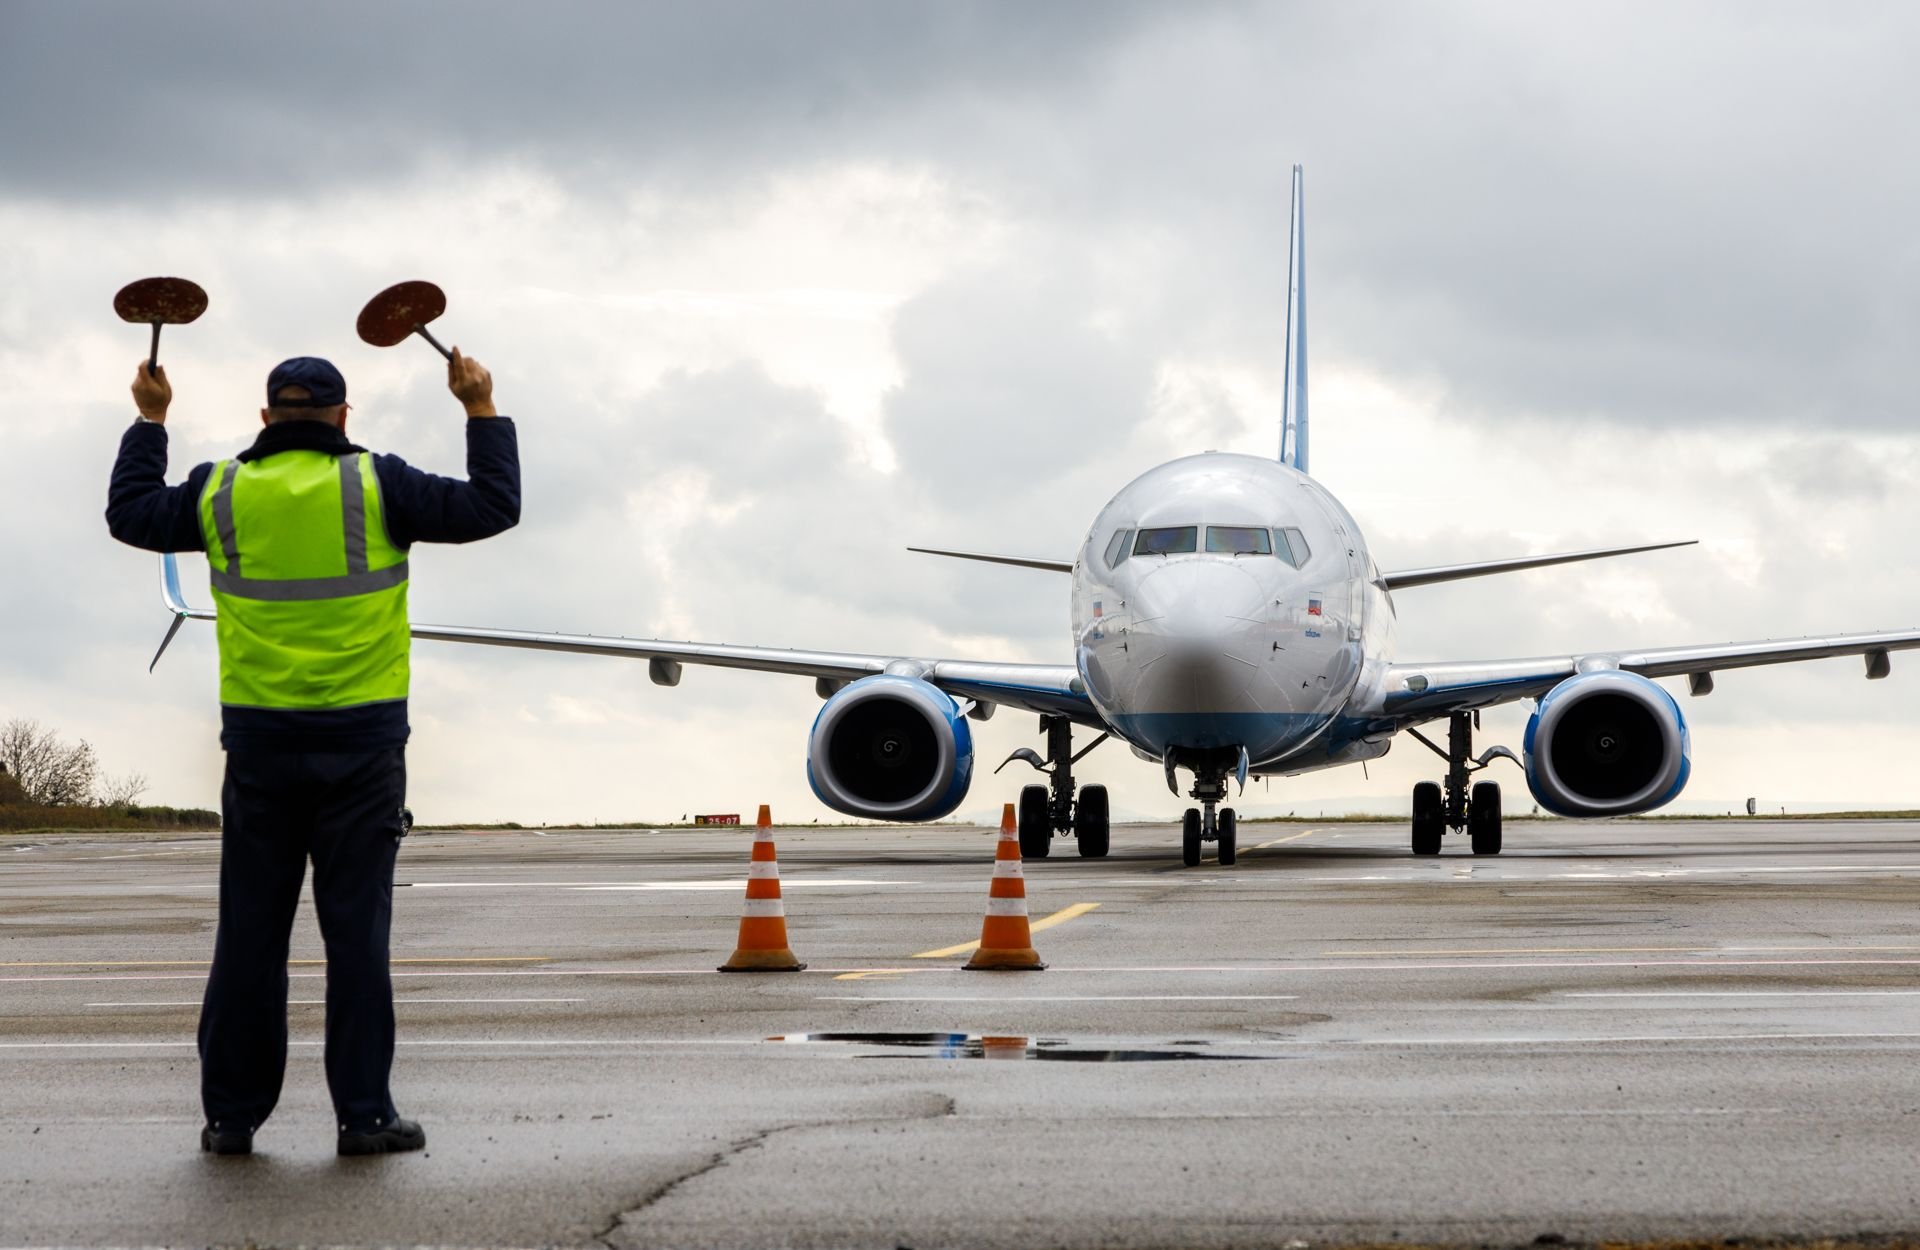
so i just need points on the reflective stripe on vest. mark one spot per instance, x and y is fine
(310, 591)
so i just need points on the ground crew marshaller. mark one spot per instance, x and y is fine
(308, 537)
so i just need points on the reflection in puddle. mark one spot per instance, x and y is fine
(994, 1046)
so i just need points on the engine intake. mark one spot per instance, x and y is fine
(891, 748)
(1607, 743)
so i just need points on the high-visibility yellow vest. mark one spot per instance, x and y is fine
(311, 593)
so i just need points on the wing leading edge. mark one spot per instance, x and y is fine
(1487, 568)
(1410, 693)
(1047, 689)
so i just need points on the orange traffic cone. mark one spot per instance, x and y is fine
(763, 927)
(1003, 1047)
(1006, 941)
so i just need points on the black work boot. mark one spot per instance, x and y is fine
(392, 1137)
(226, 1139)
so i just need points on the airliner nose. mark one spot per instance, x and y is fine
(1197, 599)
(1195, 650)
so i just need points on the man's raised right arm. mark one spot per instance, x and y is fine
(142, 510)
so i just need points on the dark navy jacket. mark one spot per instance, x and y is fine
(419, 507)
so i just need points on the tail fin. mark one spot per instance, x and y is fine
(1293, 421)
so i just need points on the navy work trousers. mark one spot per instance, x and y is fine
(343, 810)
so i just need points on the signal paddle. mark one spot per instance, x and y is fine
(160, 302)
(400, 310)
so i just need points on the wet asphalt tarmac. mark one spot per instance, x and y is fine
(1612, 1031)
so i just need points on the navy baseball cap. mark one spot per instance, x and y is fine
(324, 385)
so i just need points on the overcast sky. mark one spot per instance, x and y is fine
(776, 289)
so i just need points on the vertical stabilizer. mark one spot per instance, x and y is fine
(1293, 421)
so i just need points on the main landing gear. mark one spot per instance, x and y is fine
(1053, 808)
(1475, 809)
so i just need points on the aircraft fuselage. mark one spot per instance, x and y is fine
(1240, 609)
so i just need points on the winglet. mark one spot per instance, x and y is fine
(176, 603)
(170, 593)
(1293, 420)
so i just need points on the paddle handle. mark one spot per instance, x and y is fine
(423, 332)
(153, 352)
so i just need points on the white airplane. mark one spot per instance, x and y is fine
(1229, 621)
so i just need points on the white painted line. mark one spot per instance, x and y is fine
(559, 1043)
(728, 883)
(1604, 1041)
(1570, 964)
(537, 1043)
(398, 973)
(323, 1001)
(1503, 874)
(96, 1045)
(1058, 998)
(1058, 971)
(1743, 994)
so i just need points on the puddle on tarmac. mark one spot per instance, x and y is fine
(997, 1046)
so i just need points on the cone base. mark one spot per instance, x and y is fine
(762, 961)
(1004, 961)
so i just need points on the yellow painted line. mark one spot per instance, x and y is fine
(1060, 917)
(1277, 841)
(878, 972)
(206, 963)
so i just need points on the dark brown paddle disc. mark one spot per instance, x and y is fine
(398, 311)
(160, 301)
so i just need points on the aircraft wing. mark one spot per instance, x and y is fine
(1410, 693)
(1047, 689)
(1402, 579)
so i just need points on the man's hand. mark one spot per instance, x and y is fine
(471, 384)
(152, 393)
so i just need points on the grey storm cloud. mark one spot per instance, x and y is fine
(1637, 213)
(184, 98)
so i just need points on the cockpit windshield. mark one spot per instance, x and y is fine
(1289, 544)
(1174, 540)
(1239, 540)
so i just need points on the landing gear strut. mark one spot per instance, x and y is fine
(1046, 810)
(1204, 824)
(1474, 809)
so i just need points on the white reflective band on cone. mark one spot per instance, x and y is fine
(1007, 868)
(765, 907)
(763, 835)
(1006, 907)
(763, 868)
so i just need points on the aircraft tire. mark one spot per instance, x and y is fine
(1035, 822)
(1429, 818)
(1228, 843)
(1483, 817)
(1190, 838)
(1091, 827)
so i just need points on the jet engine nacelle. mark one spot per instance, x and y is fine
(1607, 743)
(891, 748)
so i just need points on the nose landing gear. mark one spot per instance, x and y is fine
(1046, 810)
(1205, 824)
(1476, 809)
